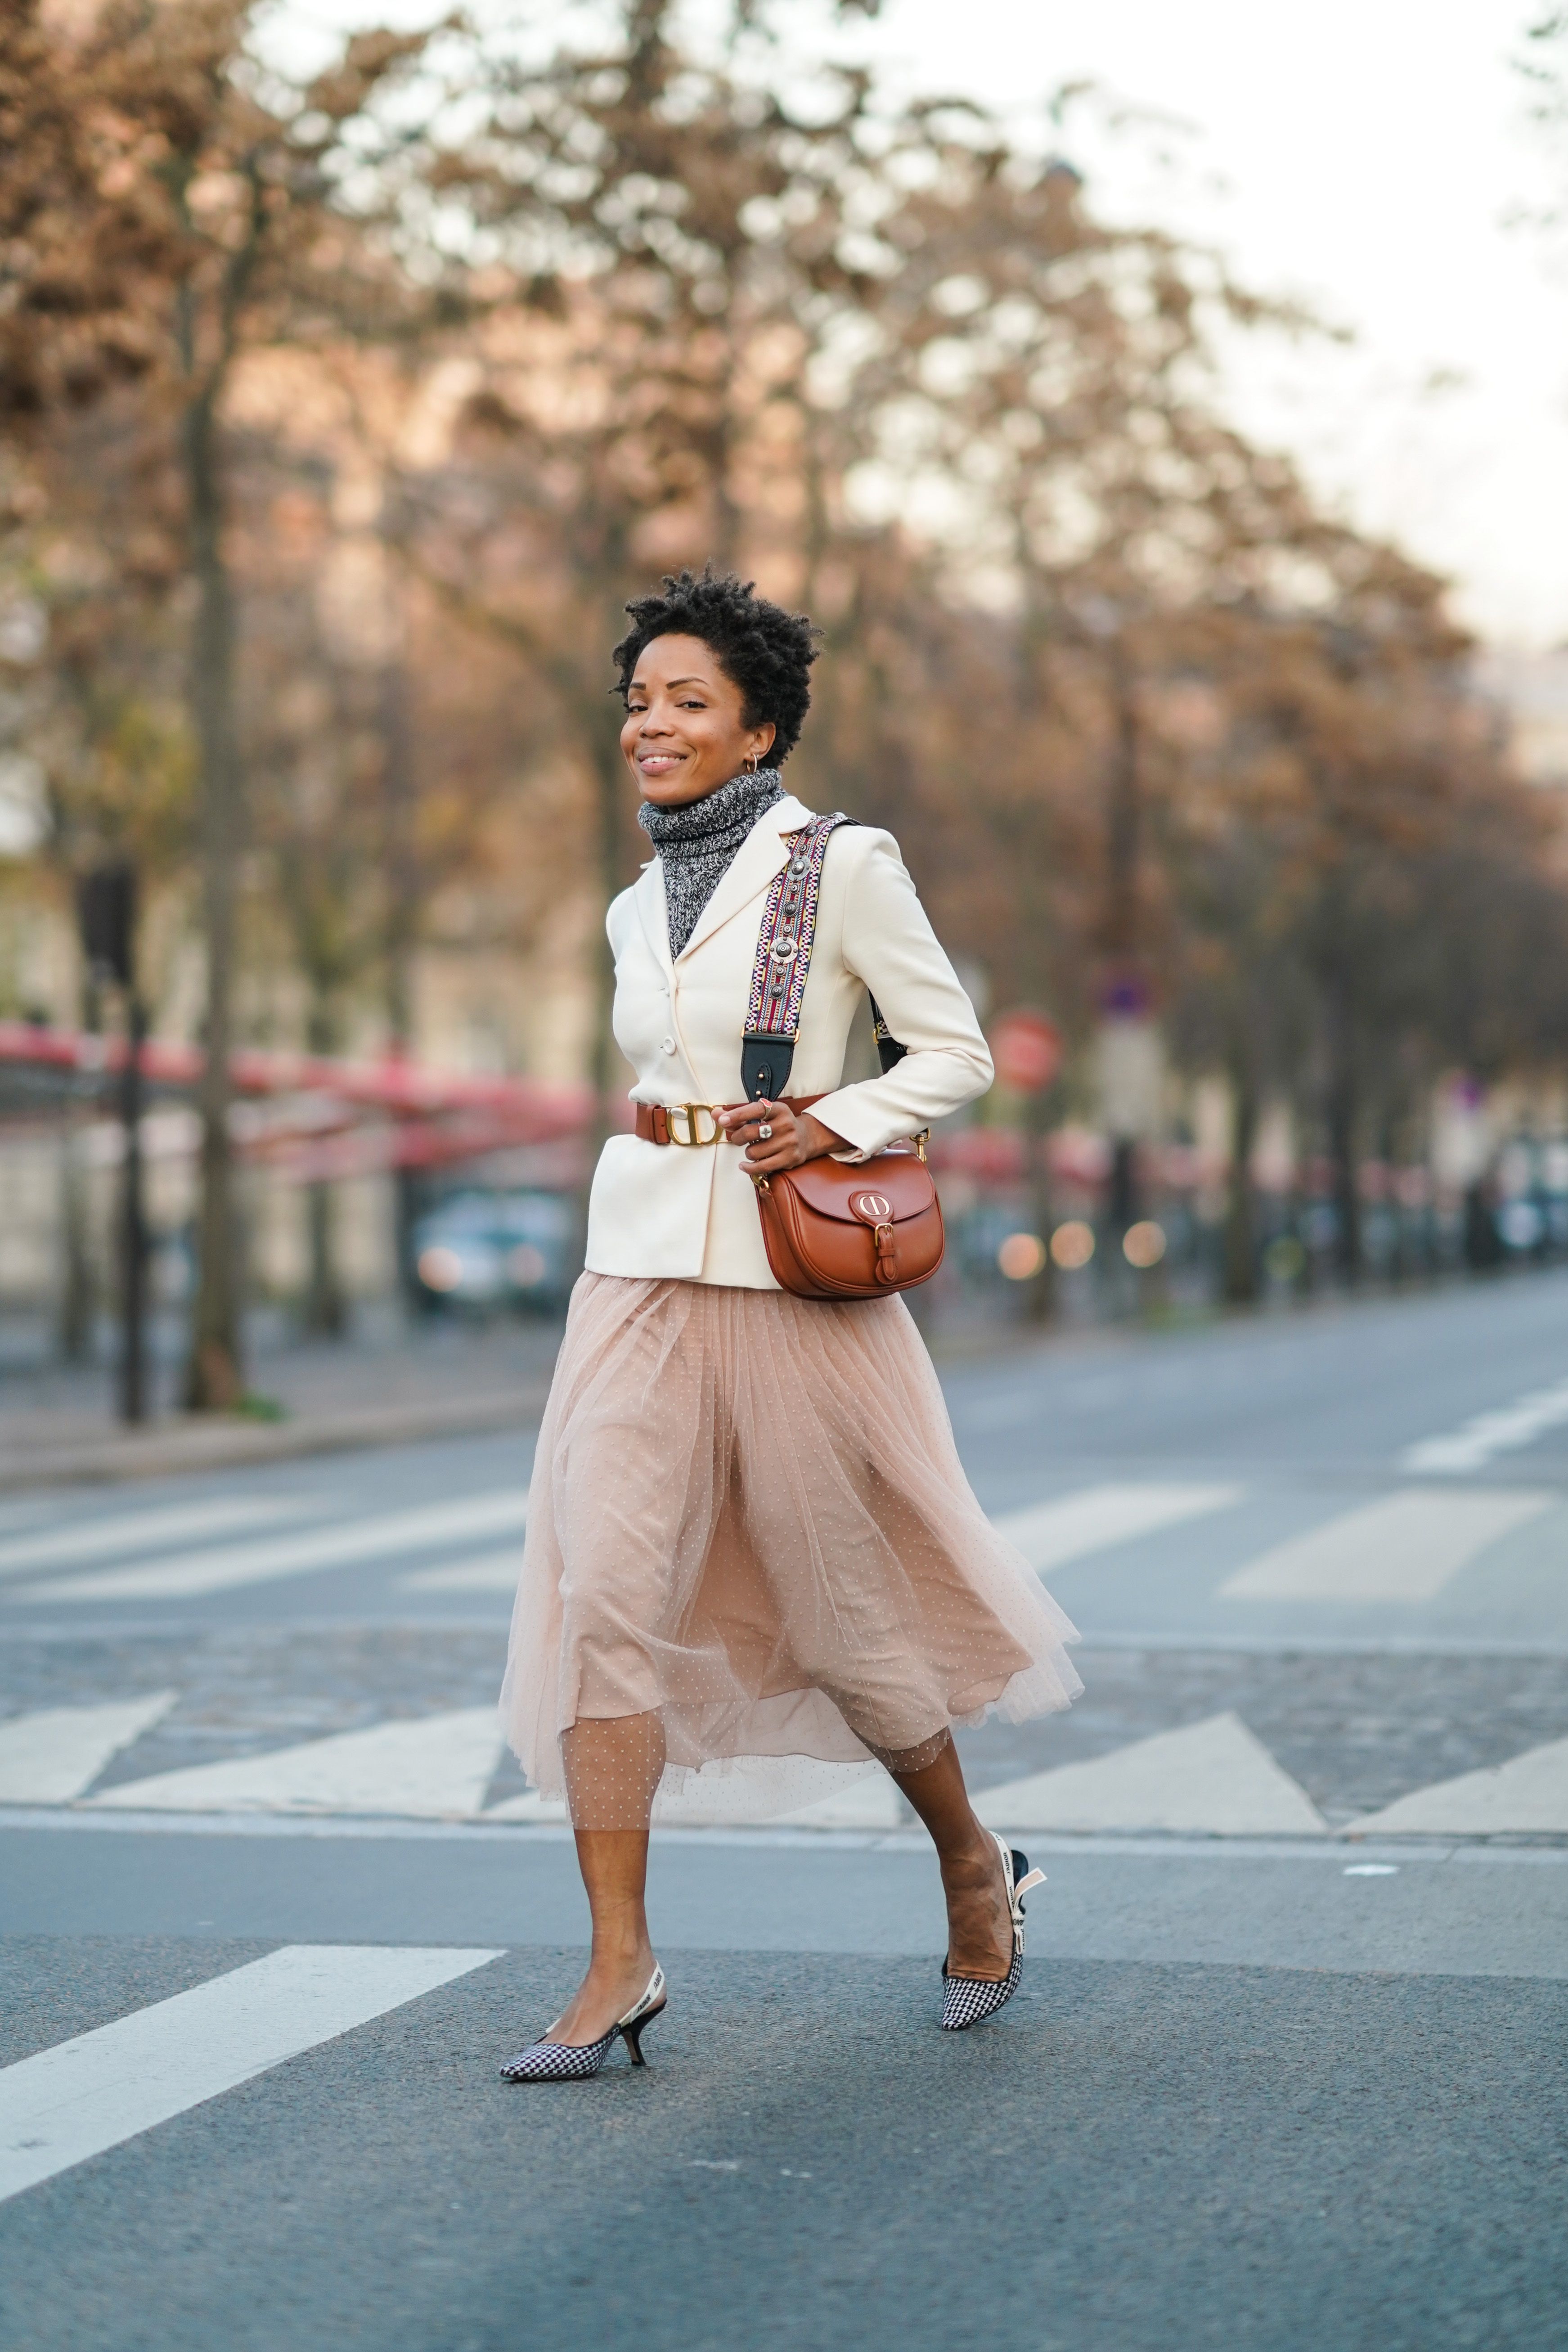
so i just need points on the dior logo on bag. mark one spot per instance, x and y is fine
(872, 1208)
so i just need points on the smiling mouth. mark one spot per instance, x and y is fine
(658, 764)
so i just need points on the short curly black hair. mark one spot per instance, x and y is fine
(763, 649)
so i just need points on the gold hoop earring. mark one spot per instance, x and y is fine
(750, 763)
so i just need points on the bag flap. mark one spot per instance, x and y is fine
(899, 1180)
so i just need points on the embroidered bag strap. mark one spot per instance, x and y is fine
(783, 959)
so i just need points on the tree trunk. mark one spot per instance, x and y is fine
(1123, 928)
(214, 1381)
(326, 1311)
(1342, 1122)
(402, 928)
(610, 780)
(326, 1314)
(1040, 1297)
(1399, 1266)
(1125, 819)
(1240, 1211)
(78, 1287)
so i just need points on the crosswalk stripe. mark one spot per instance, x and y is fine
(103, 2088)
(1050, 1533)
(1214, 1778)
(1526, 1796)
(1487, 1434)
(435, 1765)
(52, 1756)
(226, 1566)
(116, 1533)
(1402, 1548)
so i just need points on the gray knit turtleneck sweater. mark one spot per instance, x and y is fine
(697, 842)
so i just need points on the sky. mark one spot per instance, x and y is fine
(1366, 156)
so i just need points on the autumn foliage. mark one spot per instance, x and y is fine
(344, 414)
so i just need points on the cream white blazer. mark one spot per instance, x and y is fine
(691, 1213)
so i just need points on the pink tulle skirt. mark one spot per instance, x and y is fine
(748, 1517)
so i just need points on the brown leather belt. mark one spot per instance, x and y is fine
(685, 1123)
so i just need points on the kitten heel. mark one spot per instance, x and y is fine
(632, 2031)
(567, 2062)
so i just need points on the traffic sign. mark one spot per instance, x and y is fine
(1026, 1048)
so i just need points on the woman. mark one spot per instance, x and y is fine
(752, 1558)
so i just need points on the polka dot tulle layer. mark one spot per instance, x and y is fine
(750, 1532)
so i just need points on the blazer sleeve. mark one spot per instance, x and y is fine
(890, 944)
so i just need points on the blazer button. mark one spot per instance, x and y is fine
(667, 1045)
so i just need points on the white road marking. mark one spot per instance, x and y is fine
(487, 1572)
(228, 1566)
(1527, 1795)
(118, 1534)
(51, 1757)
(1488, 1435)
(100, 2089)
(437, 1764)
(1214, 1776)
(1405, 1546)
(15, 1516)
(869, 1804)
(1050, 1534)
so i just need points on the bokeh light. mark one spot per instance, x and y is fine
(1020, 1256)
(440, 1269)
(1143, 1244)
(1285, 1257)
(1072, 1245)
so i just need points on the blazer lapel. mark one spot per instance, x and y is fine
(648, 892)
(754, 863)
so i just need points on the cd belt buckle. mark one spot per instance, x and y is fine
(693, 1113)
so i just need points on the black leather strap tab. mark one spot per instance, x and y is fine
(766, 1064)
(890, 1053)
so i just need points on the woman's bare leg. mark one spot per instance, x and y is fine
(613, 1770)
(979, 1924)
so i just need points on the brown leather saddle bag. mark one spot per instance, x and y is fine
(858, 1232)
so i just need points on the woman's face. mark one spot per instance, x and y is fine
(685, 733)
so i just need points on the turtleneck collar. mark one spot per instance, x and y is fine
(697, 842)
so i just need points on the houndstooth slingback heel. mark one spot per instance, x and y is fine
(565, 2062)
(969, 2001)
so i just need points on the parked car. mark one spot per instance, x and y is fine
(487, 1250)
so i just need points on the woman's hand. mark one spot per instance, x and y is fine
(778, 1138)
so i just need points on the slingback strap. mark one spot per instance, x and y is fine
(652, 1998)
(1016, 1888)
(783, 959)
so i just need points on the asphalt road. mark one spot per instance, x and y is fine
(1294, 2091)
